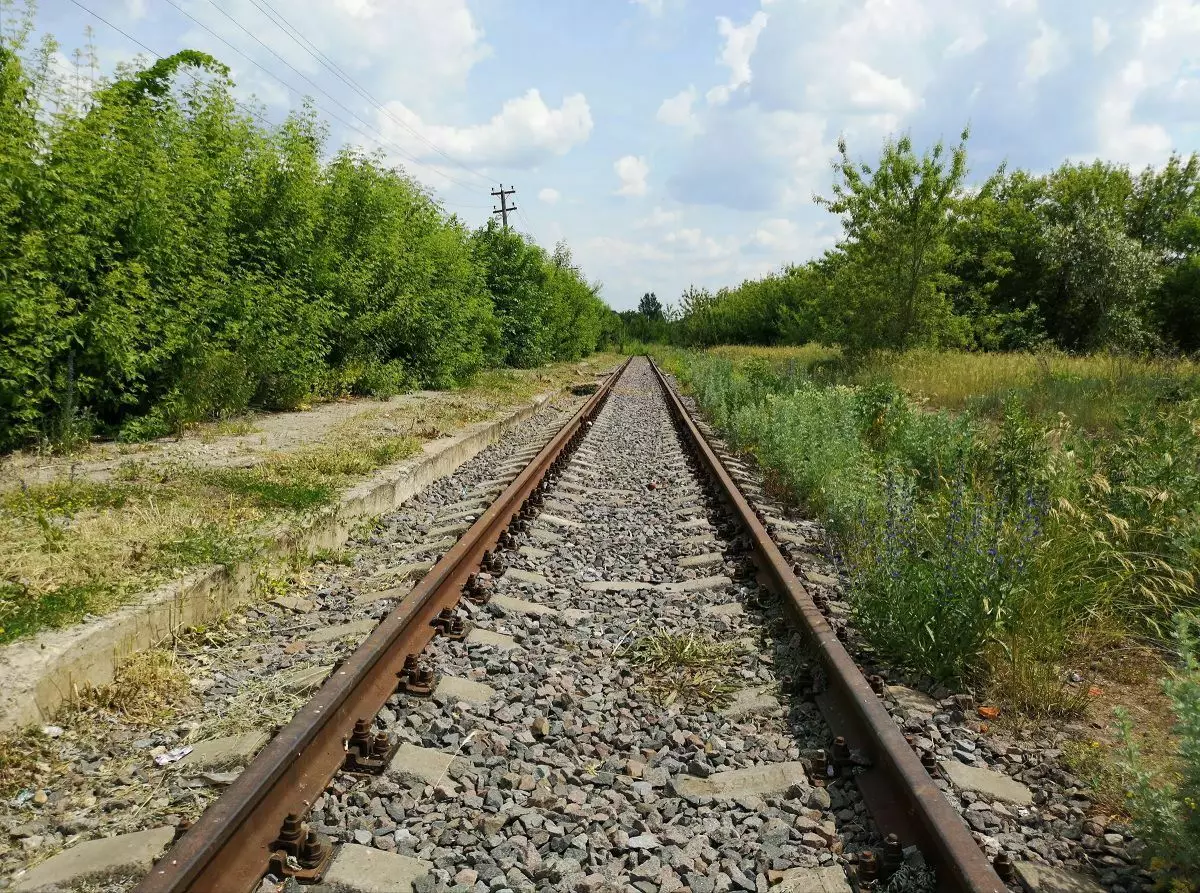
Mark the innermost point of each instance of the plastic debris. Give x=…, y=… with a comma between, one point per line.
x=173, y=756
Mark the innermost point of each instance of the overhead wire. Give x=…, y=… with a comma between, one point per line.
x=194, y=81
x=330, y=65
x=378, y=137
x=257, y=115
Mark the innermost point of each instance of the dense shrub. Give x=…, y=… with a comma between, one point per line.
x=166, y=258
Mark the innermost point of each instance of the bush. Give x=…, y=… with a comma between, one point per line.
x=1166, y=810
x=169, y=260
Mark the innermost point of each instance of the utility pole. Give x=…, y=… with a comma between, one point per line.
x=504, y=206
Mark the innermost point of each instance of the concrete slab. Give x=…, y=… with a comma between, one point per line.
x=424, y=763
x=125, y=854
x=344, y=631
x=498, y=641
x=364, y=869
x=756, y=781
x=304, y=678
x=574, y=615
x=782, y=523
x=703, y=539
x=292, y=603
x=410, y=569
x=424, y=548
x=751, y=700
x=829, y=879
x=455, y=688
x=220, y=753
x=545, y=536
x=473, y=503
x=1037, y=878
x=729, y=609
x=700, y=584
x=559, y=521
x=520, y=606
x=617, y=586
x=701, y=560
x=523, y=576
x=467, y=515
x=456, y=529
x=795, y=539
x=534, y=552
x=369, y=598
x=695, y=524
x=988, y=784
x=913, y=701
x=690, y=510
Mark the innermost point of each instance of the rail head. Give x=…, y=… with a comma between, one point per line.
x=904, y=800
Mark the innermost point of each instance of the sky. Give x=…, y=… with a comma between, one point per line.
x=681, y=142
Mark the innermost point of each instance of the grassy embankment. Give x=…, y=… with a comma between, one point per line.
x=1026, y=525
x=81, y=546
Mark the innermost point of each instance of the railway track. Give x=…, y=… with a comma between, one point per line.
x=612, y=680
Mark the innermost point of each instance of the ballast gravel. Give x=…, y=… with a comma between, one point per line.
x=252, y=672
x=576, y=774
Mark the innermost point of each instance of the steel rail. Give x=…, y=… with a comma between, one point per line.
x=898, y=791
x=230, y=846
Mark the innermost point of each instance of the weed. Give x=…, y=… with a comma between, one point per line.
x=684, y=666
x=145, y=688
x=257, y=485
x=1166, y=805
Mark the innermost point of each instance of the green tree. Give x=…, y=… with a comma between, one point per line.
x=897, y=217
x=650, y=307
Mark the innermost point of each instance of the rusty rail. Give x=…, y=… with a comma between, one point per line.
x=230, y=846
x=899, y=793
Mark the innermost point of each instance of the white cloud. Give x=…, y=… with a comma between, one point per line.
x=677, y=110
x=658, y=218
x=632, y=172
x=549, y=196
x=1166, y=39
x=968, y=41
x=871, y=90
x=654, y=7
x=1047, y=53
x=1101, y=34
x=740, y=43
x=523, y=133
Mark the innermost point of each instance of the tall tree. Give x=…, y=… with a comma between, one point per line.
x=897, y=218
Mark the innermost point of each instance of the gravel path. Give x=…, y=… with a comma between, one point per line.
x=587, y=769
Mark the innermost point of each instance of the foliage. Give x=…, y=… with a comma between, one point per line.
x=1086, y=257
x=167, y=259
x=1165, y=810
x=995, y=542
x=891, y=286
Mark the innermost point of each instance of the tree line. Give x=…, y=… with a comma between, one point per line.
x=166, y=257
x=1086, y=257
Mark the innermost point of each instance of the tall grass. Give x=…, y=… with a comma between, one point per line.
x=990, y=545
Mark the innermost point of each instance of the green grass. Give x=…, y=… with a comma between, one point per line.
x=79, y=547
x=993, y=546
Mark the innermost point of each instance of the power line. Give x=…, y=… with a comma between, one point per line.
x=378, y=137
x=195, y=82
x=255, y=113
x=315, y=52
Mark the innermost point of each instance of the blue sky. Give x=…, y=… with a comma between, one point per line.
x=673, y=142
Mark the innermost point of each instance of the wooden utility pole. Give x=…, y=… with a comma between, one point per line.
x=504, y=206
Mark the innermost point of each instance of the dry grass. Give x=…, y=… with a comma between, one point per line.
x=79, y=547
x=687, y=667
x=145, y=688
